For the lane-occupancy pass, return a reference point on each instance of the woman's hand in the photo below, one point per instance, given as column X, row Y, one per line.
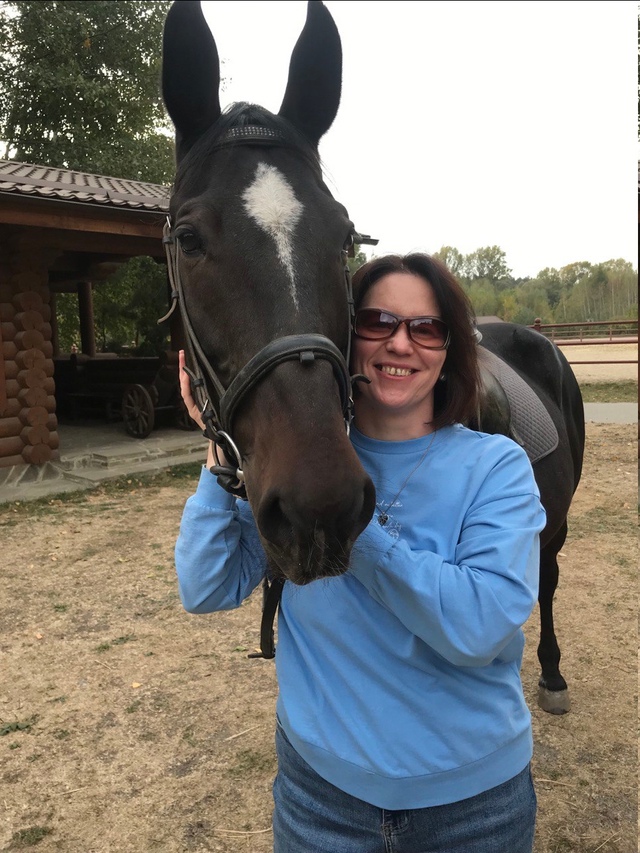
column 187, row 393
column 194, row 411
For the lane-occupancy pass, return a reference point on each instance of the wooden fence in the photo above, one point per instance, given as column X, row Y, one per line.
column 593, row 334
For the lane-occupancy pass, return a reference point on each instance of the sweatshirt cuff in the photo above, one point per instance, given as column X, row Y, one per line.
column 369, row 552
column 210, row 493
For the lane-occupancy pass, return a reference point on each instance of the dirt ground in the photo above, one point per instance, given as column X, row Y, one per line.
column 130, row 726
column 603, row 372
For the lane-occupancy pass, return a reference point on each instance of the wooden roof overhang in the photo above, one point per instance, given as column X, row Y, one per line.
column 86, row 220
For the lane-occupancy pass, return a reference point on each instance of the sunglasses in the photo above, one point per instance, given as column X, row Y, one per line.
column 373, row 324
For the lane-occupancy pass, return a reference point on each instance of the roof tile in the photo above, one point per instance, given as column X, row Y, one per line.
column 83, row 187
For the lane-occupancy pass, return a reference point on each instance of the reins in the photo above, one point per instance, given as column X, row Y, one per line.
column 218, row 405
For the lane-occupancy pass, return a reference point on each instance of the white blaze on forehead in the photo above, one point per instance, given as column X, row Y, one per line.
column 271, row 202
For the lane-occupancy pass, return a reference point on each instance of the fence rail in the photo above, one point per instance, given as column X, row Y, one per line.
column 593, row 333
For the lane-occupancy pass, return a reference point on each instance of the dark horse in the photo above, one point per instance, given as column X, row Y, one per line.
column 554, row 418
column 257, row 255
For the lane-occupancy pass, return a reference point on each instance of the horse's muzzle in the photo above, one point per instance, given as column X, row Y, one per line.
column 308, row 540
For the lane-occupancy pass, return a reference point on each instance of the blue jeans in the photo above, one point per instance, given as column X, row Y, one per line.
column 313, row 816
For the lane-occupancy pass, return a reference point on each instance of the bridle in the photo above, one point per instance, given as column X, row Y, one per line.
column 218, row 405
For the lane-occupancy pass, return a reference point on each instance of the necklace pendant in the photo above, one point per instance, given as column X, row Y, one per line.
column 382, row 519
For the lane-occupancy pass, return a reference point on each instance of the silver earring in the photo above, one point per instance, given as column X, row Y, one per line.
column 442, row 376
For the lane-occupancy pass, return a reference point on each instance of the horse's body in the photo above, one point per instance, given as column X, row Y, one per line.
column 541, row 364
column 258, row 257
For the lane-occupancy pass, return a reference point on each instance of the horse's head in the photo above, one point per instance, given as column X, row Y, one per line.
column 259, row 254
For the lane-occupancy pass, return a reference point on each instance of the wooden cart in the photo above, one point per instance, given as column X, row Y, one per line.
column 136, row 390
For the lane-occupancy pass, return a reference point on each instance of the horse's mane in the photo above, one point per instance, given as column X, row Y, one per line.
column 242, row 115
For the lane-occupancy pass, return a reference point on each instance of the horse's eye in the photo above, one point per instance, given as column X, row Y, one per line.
column 190, row 242
column 348, row 243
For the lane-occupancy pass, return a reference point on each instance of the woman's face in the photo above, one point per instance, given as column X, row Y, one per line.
column 399, row 398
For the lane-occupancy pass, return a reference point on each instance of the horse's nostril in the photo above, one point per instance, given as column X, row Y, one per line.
column 324, row 525
column 273, row 523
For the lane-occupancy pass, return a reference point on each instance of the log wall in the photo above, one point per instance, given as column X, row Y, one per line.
column 28, row 423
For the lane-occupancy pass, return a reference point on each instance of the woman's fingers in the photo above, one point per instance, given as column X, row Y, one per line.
column 194, row 411
column 186, row 392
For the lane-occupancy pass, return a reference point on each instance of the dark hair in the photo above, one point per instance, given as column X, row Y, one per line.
column 456, row 397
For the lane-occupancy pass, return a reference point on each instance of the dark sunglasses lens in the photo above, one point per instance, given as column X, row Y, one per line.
column 428, row 332
column 374, row 324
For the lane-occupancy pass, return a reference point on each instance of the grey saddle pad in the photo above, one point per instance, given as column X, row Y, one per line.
column 530, row 424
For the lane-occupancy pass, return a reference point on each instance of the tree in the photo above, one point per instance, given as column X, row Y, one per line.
column 509, row 307
column 484, row 298
column 453, row 260
column 79, row 86
column 79, row 89
column 532, row 301
column 549, row 280
column 357, row 261
column 622, row 281
column 127, row 308
column 489, row 262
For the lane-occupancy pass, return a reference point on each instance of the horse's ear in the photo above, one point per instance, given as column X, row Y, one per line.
column 190, row 73
column 315, row 75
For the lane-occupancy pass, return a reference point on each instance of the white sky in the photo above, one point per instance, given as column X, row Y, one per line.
column 509, row 123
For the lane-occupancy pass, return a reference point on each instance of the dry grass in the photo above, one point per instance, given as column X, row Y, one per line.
column 146, row 729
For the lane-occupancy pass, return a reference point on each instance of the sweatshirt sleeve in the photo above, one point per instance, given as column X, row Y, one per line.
column 219, row 556
column 470, row 608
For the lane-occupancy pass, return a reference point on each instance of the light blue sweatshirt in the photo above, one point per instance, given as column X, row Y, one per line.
column 400, row 680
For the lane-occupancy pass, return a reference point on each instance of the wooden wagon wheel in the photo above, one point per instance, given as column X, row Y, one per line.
column 137, row 411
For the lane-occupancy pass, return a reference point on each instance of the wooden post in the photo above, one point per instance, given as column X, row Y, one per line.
column 87, row 329
column 54, row 325
column 28, row 424
column 3, row 380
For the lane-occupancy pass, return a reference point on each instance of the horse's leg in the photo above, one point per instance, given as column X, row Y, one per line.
column 553, row 694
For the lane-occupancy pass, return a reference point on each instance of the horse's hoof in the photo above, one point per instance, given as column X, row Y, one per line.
column 554, row 701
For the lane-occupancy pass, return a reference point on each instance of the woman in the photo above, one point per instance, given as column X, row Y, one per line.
column 402, row 724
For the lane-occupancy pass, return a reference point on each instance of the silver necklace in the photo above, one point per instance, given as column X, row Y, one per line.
column 384, row 516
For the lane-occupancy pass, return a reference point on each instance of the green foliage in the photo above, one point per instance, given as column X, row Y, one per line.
column 452, row 259
column 357, row 261
column 79, row 89
column 79, row 86
column 489, row 262
column 578, row 291
column 126, row 309
column 584, row 291
column 484, row 297
column 68, row 319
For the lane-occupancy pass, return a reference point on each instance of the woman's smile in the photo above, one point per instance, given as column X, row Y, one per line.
column 391, row 370
column 398, row 401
